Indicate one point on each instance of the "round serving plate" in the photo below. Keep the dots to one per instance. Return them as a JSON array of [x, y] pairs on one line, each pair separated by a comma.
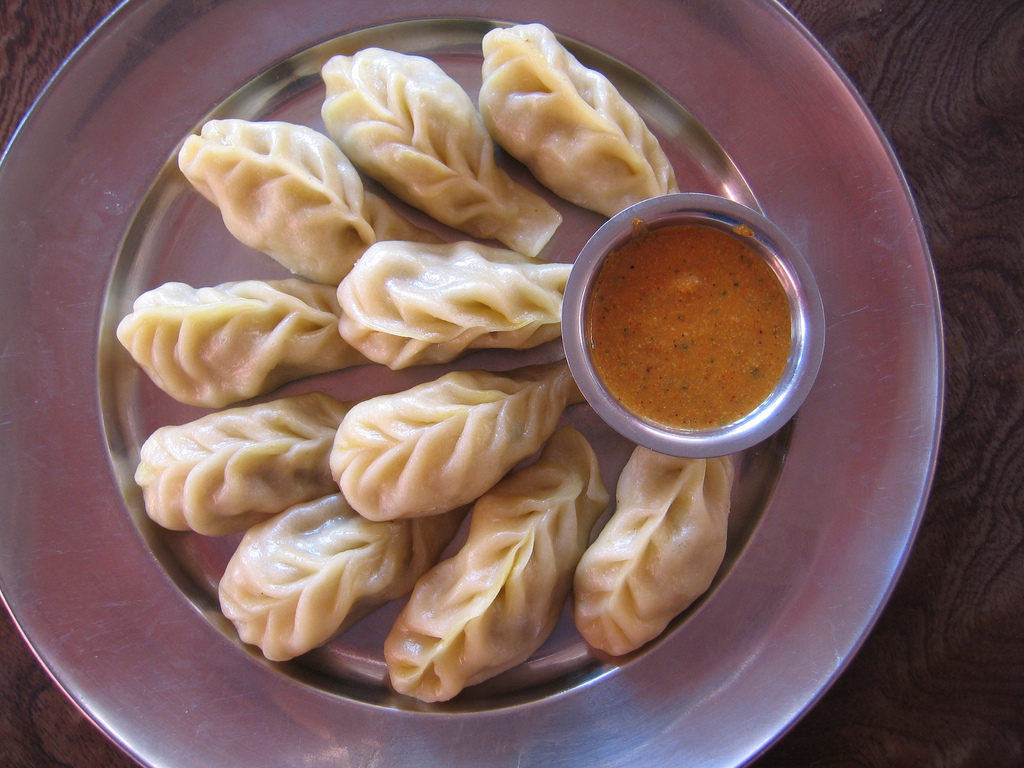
[[124, 614]]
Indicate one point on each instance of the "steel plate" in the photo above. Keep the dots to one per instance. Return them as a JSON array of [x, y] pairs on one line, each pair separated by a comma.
[[123, 614]]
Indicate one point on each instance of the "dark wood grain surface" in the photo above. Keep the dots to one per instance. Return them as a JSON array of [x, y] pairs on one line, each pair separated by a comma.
[[940, 681]]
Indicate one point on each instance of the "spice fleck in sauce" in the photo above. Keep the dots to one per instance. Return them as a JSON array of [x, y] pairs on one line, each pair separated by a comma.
[[688, 327]]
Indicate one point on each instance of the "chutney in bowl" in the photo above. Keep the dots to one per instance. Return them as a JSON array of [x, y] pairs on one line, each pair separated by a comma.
[[693, 325]]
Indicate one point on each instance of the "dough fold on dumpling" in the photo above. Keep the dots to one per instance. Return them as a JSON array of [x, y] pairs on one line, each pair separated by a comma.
[[442, 444], [408, 304], [404, 122], [226, 471], [497, 600], [215, 346], [290, 192], [659, 551], [568, 124], [300, 578]]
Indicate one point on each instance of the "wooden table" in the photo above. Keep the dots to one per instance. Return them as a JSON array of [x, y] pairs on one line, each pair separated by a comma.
[[940, 680]]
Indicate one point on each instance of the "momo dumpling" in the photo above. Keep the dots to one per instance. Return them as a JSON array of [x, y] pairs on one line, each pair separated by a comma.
[[497, 600], [215, 346], [300, 578], [442, 444], [659, 551], [408, 304], [404, 122], [568, 124], [226, 471], [290, 192]]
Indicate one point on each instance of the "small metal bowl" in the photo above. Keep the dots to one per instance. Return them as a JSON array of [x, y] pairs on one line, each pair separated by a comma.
[[764, 238]]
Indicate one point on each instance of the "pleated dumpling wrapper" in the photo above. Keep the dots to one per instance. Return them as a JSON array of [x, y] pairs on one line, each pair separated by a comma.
[[659, 551], [568, 124], [406, 123], [228, 470], [290, 192], [302, 577], [409, 304], [442, 444], [212, 347], [497, 600]]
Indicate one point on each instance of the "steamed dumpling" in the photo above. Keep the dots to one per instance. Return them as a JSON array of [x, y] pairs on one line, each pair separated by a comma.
[[228, 470], [442, 444], [496, 601], [300, 578], [404, 122], [659, 552], [215, 346], [288, 191], [406, 303], [568, 124]]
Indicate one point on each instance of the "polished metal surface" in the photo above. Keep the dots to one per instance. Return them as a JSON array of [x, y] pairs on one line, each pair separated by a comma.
[[764, 239], [122, 613]]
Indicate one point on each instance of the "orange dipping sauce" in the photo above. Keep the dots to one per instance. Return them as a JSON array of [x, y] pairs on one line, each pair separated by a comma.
[[688, 327]]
